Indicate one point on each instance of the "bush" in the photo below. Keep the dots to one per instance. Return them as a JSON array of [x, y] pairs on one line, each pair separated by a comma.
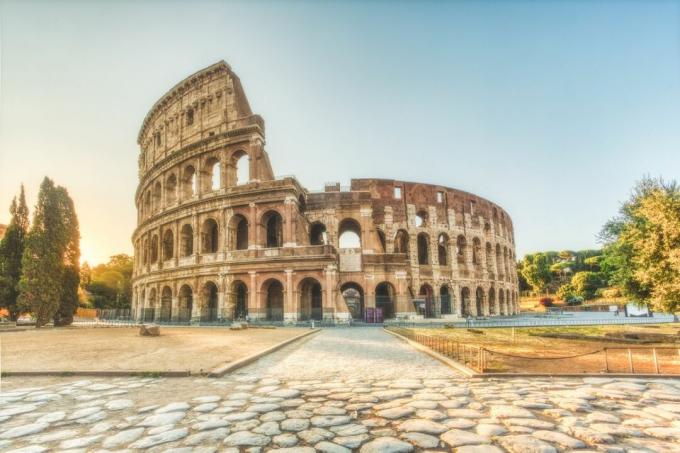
[[566, 291], [546, 301], [586, 283], [610, 293], [574, 300]]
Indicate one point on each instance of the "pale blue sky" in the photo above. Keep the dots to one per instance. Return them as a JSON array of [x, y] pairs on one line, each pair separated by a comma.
[[551, 109]]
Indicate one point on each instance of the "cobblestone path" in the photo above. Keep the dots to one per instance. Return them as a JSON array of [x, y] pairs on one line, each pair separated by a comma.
[[279, 404]]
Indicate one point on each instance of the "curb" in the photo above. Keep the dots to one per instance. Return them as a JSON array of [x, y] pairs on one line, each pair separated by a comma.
[[231, 366], [468, 372], [575, 375], [98, 373]]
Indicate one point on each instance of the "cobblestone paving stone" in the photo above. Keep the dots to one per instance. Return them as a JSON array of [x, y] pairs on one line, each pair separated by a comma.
[[278, 404]]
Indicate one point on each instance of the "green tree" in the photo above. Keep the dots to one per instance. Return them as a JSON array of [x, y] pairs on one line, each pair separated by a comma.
[[11, 251], [642, 245], [111, 283], [536, 271], [50, 279], [585, 284]]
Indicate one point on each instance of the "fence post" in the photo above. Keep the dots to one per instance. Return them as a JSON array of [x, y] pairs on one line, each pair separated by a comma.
[[630, 361], [606, 361], [656, 361]]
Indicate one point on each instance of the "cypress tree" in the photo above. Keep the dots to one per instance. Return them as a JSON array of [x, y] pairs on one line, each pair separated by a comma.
[[11, 252], [71, 253]]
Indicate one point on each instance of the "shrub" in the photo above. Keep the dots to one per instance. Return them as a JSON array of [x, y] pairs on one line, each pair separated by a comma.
[[565, 291], [574, 300], [545, 301], [586, 283]]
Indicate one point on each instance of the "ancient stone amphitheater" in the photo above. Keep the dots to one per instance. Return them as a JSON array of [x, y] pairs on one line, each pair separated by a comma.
[[220, 238]]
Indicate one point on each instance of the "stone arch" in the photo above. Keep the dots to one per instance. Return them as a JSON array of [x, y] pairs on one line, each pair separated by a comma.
[[423, 249], [493, 309], [211, 177], [186, 303], [150, 311], [465, 306], [210, 235], [310, 299], [166, 304], [168, 244], [171, 189], [186, 240], [445, 300], [480, 302], [188, 182], [461, 248], [353, 295], [476, 252], [154, 248], [240, 167], [426, 292], [318, 235], [443, 249], [272, 291], [238, 232], [209, 302], [385, 299], [157, 196], [239, 292], [401, 242], [349, 234], [272, 224]]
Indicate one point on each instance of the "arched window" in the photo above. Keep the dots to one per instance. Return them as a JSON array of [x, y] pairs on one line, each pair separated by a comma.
[[318, 234], [465, 302], [461, 245], [238, 233], [240, 293], [171, 190], [273, 224], [157, 190], [274, 300], [423, 249], [154, 248], [186, 240], [445, 300], [476, 252], [168, 243], [401, 242], [209, 236], [353, 295], [145, 252], [443, 249], [310, 300], [215, 177], [493, 310], [349, 234], [189, 182], [421, 218], [241, 163], [186, 304]]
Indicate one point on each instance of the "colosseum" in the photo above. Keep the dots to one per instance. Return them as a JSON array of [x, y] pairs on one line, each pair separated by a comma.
[[220, 238]]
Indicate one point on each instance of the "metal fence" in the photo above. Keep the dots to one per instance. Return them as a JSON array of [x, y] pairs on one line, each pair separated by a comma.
[[624, 360]]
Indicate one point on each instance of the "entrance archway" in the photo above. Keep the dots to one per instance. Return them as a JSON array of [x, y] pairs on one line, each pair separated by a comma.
[[354, 298], [445, 300], [426, 292], [240, 294], [465, 302], [209, 303], [310, 300], [274, 300], [384, 299], [166, 305], [186, 304], [479, 302]]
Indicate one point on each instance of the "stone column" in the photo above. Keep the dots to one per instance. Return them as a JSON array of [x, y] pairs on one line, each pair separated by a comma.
[[253, 297], [290, 305]]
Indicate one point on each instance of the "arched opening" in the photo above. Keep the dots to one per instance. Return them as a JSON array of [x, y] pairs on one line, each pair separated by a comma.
[[382, 240], [499, 261], [186, 304], [168, 245], [501, 300], [211, 179], [493, 310], [479, 302], [423, 249], [476, 252], [273, 224], [505, 261], [154, 248], [189, 182], [353, 294], [241, 168], [147, 203], [445, 298], [443, 249], [150, 311], [157, 191], [209, 303], [145, 252], [238, 233], [209, 236], [465, 302], [461, 246], [171, 190], [384, 300], [318, 234], [421, 219], [427, 294], [349, 234], [401, 242], [310, 300], [186, 240], [166, 304], [273, 290], [240, 293], [489, 258]]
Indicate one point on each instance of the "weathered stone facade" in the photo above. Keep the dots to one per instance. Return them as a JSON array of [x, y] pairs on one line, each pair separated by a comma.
[[219, 237]]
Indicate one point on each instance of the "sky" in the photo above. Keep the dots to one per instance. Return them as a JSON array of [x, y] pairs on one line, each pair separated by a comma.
[[553, 110]]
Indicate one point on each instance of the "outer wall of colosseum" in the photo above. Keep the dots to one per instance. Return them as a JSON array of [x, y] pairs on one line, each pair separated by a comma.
[[220, 238]]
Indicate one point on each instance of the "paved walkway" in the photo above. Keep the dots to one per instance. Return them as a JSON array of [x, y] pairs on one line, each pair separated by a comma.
[[330, 402]]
